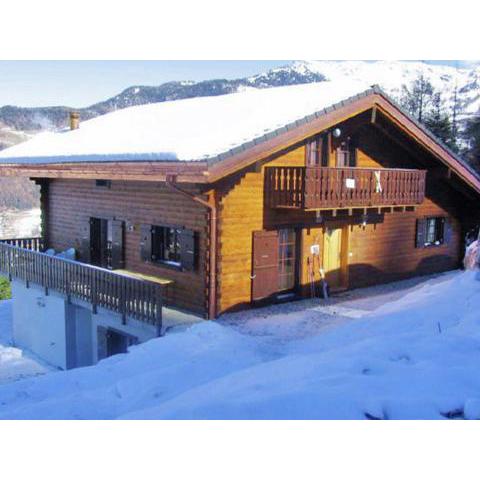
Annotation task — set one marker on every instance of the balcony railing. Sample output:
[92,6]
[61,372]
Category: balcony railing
[130,297]
[332,188]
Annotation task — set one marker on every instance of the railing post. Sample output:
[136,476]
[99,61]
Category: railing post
[158,311]
[93,292]
[121,300]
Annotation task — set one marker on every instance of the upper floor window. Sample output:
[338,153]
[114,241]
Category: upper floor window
[317,151]
[346,153]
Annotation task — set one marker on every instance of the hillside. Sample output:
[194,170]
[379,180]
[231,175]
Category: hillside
[414,356]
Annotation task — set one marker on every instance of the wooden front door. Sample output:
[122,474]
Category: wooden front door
[265,265]
[332,257]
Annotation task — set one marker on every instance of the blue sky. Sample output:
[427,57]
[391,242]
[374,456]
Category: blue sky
[81,83]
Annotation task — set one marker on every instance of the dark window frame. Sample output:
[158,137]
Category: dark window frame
[169,254]
[317,151]
[181,251]
[348,149]
[434,231]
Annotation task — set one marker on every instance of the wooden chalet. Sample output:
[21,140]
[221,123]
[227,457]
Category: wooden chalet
[352,187]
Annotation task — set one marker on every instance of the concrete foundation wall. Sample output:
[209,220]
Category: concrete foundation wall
[39,323]
[66,335]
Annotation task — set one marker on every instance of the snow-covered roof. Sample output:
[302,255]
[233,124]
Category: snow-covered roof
[194,129]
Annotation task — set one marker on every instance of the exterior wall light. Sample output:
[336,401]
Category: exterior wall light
[336,132]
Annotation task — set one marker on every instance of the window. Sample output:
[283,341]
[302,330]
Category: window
[169,245]
[347,153]
[432,231]
[317,151]
[286,259]
[103,183]
[166,245]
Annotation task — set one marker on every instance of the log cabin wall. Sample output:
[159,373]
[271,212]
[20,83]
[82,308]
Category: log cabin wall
[71,203]
[382,251]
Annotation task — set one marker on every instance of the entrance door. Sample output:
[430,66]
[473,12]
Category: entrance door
[332,257]
[265,265]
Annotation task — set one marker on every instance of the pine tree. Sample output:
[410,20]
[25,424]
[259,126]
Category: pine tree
[472,138]
[417,99]
[438,121]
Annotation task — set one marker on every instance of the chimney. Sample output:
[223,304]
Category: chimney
[74,120]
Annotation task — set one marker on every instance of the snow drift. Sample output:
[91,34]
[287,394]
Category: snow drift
[414,358]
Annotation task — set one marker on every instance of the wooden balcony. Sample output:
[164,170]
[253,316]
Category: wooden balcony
[130,297]
[312,188]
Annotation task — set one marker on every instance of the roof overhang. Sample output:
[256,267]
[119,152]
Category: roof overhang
[184,172]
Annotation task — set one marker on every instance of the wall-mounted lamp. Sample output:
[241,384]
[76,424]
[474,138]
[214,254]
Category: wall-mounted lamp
[336,132]
[364,220]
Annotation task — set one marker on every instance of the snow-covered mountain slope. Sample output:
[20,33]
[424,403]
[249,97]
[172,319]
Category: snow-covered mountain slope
[391,75]
[414,357]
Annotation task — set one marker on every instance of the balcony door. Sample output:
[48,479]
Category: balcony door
[346,154]
[106,243]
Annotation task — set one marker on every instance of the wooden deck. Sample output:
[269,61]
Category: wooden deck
[332,188]
[126,295]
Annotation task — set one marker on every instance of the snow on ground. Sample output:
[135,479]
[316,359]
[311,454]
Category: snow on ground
[15,364]
[406,350]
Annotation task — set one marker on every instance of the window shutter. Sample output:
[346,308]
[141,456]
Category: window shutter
[187,242]
[146,243]
[447,231]
[117,252]
[420,238]
[85,243]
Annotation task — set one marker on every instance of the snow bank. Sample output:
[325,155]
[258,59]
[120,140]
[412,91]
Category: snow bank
[472,256]
[191,129]
[415,357]
[14,364]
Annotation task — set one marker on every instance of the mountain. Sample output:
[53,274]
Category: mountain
[45,118]
[18,123]
[391,75]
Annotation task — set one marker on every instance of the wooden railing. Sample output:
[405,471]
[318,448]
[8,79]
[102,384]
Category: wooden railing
[127,296]
[34,243]
[325,187]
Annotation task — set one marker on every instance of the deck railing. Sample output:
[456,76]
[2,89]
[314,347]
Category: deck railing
[325,187]
[34,243]
[127,296]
